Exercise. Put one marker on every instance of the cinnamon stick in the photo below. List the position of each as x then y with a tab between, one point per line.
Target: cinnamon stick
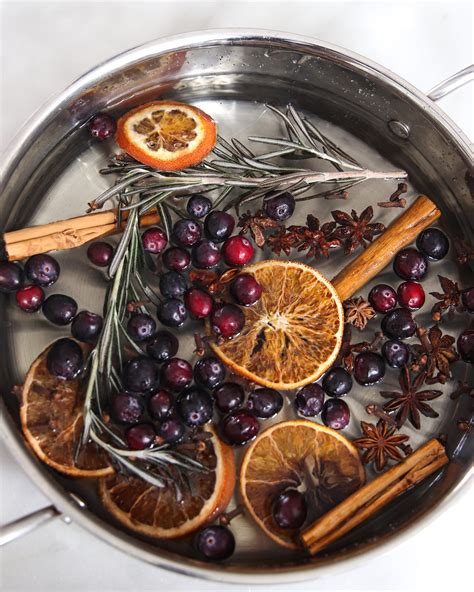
374	495
422	213
65	234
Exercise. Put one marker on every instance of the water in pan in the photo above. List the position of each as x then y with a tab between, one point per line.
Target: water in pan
81	182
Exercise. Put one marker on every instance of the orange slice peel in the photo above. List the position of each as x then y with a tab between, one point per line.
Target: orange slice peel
293	334
167	135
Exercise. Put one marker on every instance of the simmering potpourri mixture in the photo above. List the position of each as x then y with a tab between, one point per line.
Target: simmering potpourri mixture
204	239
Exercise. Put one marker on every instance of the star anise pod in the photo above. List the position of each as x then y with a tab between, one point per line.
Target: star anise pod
464	252
357	312
355	230
435	353
411	401
283	240
449	299
381	443
315	239
256	224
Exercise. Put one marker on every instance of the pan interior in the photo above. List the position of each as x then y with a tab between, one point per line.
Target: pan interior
58	174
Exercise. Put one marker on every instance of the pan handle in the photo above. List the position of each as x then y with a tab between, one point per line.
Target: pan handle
26	524
452	83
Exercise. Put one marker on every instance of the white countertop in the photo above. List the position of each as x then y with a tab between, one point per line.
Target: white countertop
45	45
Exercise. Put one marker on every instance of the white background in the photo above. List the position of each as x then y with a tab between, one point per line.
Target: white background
44	46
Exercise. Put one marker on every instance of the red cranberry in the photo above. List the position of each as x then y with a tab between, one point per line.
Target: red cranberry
161	405
383	298
465	345
227	320
245	289
11	277
102	126
239	427
176	374
335	414
154	240
198	303
176	259
237	251
140	436
410	264
411	295
100	253
30	298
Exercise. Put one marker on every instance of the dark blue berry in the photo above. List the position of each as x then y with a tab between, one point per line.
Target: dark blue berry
279	207
396	353
195	406
265	402
198	206
140	374
172	284
209	372
219	225
126	408
215	543
42	270
59	309
172	312
228	396
309	400
65	359
337	382
186	233
11	277
163	346
86	326
141	327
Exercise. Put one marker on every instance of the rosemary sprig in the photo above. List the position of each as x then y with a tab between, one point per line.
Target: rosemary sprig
237	167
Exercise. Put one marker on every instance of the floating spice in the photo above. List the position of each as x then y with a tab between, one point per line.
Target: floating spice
410	402
358	312
380	443
449	299
435	353
355	230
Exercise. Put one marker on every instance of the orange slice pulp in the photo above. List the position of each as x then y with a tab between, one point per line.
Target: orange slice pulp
292	335
167	135
52	422
291	454
156	512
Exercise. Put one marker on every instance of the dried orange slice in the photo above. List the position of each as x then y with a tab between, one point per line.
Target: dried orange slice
155	512
51	418
292	335
295	454
167	135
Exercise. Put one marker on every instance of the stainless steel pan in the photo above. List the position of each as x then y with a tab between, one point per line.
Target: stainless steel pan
50	173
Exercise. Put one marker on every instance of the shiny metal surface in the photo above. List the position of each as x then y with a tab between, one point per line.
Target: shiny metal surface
52	173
